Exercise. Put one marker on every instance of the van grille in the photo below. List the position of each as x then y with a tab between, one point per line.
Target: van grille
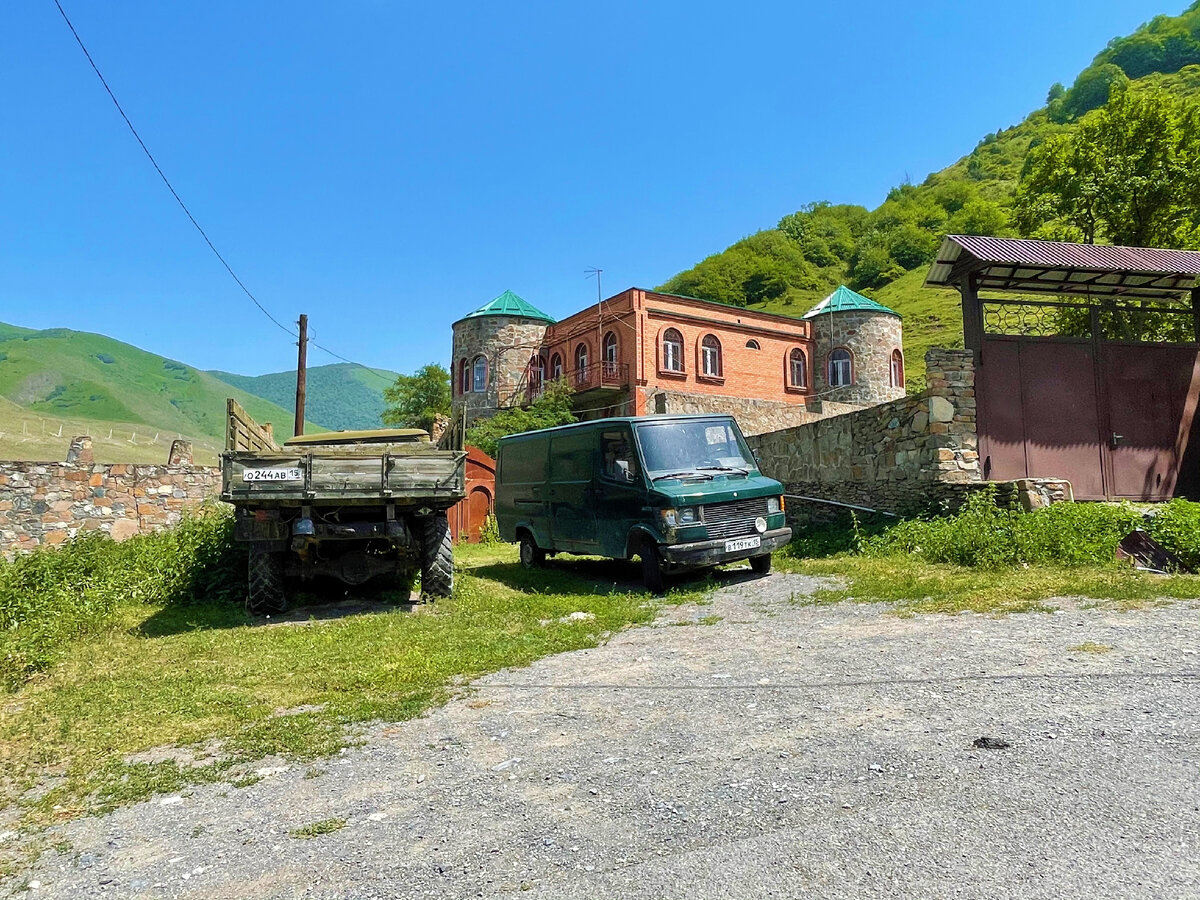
733	519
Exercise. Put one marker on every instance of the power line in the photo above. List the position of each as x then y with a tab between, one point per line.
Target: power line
188	212
150	156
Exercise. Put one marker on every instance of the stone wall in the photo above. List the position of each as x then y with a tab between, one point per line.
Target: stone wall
51	502
753	416
897	456
870	337
507	343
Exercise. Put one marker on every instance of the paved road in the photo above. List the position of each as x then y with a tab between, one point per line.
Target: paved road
786	751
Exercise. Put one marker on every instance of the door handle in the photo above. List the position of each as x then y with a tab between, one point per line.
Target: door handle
1116	439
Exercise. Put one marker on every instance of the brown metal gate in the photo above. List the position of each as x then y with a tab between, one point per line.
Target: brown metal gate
1102	395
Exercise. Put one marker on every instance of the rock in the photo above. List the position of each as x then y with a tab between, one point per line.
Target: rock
990	743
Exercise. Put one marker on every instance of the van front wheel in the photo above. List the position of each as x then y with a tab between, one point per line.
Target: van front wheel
532	556
652	572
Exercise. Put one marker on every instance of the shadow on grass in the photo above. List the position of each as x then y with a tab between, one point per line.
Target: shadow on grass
591	575
325	601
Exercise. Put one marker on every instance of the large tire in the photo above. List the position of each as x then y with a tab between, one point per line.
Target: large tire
264	587
761	564
532	556
652	571
437	557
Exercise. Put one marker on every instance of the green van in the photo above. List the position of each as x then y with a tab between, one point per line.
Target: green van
678	491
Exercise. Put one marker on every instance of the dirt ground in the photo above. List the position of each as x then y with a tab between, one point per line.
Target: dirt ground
755	746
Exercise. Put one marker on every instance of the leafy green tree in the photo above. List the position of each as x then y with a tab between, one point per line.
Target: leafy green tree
552	408
979	216
1092	88
1129	174
415	401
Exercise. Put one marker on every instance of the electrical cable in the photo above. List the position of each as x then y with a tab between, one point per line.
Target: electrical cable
187	212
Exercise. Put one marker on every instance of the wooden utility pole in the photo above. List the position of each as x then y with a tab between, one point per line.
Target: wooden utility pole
301	374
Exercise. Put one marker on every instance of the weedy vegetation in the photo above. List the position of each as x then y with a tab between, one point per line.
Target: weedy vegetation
316	829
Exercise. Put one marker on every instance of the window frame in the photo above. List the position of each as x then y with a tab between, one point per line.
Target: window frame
664	357
476	381
752	344
582	355
896	368
464	376
704	351
793	384
829	367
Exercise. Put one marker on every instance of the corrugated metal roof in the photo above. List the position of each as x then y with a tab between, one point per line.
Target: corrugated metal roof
509	304
843	300
1019	264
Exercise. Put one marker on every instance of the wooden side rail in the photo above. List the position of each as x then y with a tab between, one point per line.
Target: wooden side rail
242	433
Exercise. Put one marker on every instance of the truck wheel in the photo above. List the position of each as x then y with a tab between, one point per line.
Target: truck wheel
437	558
652	573
264	588
532	556
761	564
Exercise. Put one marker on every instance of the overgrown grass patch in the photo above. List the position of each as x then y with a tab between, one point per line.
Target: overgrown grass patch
164	674
316	829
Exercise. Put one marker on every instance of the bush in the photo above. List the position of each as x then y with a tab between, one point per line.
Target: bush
53	595
1176	525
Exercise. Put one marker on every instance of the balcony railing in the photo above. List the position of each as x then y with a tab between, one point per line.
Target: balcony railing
604	375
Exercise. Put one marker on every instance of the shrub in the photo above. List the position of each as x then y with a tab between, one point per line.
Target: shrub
489	533
1176	525
53	595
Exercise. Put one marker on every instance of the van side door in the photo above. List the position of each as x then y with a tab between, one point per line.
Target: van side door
521	489
620	490
572	475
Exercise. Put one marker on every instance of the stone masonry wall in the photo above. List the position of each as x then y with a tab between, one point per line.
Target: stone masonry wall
896	456
51	502
508	343
753	416
870	337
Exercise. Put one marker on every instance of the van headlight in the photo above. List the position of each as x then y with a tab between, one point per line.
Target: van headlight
689	515
774	505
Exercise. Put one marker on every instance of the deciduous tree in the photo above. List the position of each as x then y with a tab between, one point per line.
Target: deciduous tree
415	401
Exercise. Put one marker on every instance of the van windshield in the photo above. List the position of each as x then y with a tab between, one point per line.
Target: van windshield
693	447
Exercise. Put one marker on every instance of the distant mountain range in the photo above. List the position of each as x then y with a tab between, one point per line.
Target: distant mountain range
134	402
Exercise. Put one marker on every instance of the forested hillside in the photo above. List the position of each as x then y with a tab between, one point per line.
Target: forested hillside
884	252
340	396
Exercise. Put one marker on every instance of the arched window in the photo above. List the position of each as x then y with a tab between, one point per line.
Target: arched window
556	366
581	363
610	354
710	356
537	370
464	377
841	368
897	369
672	351
752	345
797	369
479	375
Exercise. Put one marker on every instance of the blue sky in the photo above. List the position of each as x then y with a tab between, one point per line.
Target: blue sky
387	167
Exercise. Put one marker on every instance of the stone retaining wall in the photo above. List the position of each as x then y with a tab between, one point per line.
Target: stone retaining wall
51	502
753	416
898	456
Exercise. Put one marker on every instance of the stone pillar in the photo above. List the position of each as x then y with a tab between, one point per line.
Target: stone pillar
181	453
80	451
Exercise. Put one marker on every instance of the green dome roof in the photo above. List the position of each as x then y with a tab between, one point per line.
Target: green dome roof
843	300
509	304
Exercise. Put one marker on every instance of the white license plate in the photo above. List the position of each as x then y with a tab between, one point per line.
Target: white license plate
749	543
274	473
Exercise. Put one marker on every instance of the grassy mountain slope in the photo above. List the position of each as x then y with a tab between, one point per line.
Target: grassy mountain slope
89	382
885	252
340	396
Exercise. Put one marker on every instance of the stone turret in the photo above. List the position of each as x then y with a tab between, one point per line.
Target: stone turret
491	353
859	349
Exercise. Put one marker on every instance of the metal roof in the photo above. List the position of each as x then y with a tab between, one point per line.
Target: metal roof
1056	267
844	300
509	304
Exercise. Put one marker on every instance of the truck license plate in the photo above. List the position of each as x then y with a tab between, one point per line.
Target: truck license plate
747	543
274	473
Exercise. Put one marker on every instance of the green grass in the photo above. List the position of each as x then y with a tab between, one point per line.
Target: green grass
316	829
1091	647
89	384
173	674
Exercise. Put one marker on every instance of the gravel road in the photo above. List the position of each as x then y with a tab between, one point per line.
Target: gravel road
787	750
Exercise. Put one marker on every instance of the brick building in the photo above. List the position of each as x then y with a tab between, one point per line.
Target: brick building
642	352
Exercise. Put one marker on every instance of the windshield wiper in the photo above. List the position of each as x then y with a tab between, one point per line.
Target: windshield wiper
737	469
689	474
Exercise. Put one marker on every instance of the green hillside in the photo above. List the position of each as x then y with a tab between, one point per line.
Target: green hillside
340	396
84	381
885	252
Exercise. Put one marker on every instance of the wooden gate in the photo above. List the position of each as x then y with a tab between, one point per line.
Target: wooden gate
1102	395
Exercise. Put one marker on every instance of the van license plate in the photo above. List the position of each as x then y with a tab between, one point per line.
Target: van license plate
274	473
749	543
